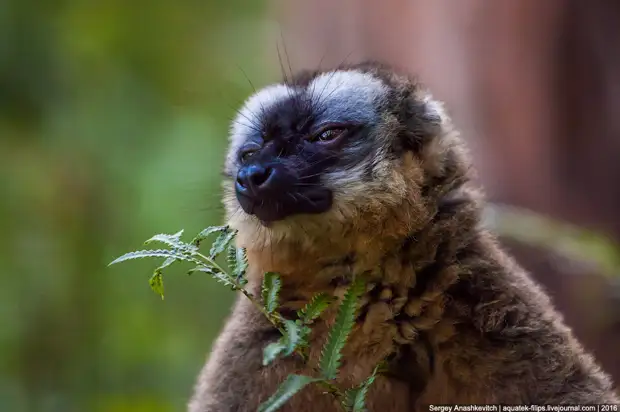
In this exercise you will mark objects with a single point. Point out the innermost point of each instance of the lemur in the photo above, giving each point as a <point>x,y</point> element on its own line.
<point>358,171</point>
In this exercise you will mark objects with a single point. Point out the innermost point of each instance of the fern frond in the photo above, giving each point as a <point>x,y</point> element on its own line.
<point>271,351</point>
<point>217,275</point>
<point>288,388</point>
<point>173,241</point>
<point>237,262</point>
<point>205,233</point>
<point>242,262</point>
<point>293,336</point>
<point>157,283</point>
<point>221,242</point>
<point>314,308</point>
<point>169,261</point>
<point>270,291</point>
<point>139,254</point>
<point>231,258</point>
<point>355,398</point>
<point>345,319</point>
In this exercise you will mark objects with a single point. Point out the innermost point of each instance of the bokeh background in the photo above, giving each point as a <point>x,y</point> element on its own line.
<point>113,124</point>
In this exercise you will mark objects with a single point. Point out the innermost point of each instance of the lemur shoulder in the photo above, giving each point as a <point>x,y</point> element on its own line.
<point>358,171</point>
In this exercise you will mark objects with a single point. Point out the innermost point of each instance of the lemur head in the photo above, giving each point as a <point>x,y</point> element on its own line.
<point>334,152</point>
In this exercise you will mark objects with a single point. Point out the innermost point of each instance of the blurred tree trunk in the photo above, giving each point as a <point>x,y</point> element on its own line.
<point>533,85</point>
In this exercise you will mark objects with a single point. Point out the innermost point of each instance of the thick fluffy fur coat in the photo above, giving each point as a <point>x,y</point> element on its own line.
<point>458,319</point>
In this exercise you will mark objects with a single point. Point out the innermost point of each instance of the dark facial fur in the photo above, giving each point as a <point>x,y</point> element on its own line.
<point>327,144</point>
<point>389,199</point>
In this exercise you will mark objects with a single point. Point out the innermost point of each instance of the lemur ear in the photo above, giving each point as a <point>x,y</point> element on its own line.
<point>424,118</point>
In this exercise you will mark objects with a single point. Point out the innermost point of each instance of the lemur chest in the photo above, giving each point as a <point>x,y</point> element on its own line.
<point>390,325</point>
<point>399,318</point>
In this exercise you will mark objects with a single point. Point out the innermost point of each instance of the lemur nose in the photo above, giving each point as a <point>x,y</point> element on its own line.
<point>254,178</point>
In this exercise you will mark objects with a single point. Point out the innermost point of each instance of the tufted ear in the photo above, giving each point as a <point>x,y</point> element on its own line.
<point>425,119</point>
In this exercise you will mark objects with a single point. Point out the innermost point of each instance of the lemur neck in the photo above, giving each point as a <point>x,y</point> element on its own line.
<point>390,257</point>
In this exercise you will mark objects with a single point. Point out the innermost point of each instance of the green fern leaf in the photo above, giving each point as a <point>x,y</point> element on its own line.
<point>173,241</point>
<point>150,253</point>
<point>157,283</point>
<point>242,262</point>
<point>314,308</point>
<point>271,351</point>
<point>231,258</point>
<point>293,336</point>
<point>345,319</point>
<point>237,261</point>
<point>288,388</point>
<point>304,332</point>
<point>205,233</point>
<point>169,261</point>
<point>355,398</point>
<point>221,243</point>
<point>217,275</point>
<point>270,291</point>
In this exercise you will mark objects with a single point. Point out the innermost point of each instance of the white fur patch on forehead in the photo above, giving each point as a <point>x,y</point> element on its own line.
<point>249,116</point>
<point>347,96</point>
<point>248,121</point>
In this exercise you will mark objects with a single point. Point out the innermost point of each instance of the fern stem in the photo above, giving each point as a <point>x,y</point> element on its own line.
<point>211,262</point>
<point>331,388</point>
<point>274,318</point>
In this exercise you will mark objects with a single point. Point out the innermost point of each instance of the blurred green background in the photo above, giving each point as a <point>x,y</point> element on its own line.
<point>113,121</point>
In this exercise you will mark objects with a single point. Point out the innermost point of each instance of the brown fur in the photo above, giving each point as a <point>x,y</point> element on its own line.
<point>458,319</point>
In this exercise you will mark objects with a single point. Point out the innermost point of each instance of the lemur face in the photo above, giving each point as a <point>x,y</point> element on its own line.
<point>324,145</point>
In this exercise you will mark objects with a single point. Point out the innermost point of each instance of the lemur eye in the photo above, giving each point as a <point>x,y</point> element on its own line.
<point>327,135</point>
<point>246,154</point>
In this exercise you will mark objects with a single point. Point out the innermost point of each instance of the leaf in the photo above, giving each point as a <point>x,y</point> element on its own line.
<point>157,283</point>
<point>291,385</point>
<point>293,336</point>
<point>242,265</point>
<point>314,308</point>
<point>237,261</point>
<point>270,291</point>
<point>173,241</point>
<point>205,233</point>
<point>150,253</point>
<point>345,319</point>
<point>231,258</point>
<point>355,398</point>
<point>221,242</point>
<point>167,263</point>
<point>217,275</point>
<point>271,352</point>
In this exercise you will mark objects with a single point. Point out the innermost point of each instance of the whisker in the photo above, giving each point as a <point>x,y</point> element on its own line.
<point>305,197</point>
<point>256,116</point>
<point>313,175</point>
<point>308,184</point>
<point>245,124</point>
<point>211,208</point>
<point>318,69</point>
<point>282,71</point>
<point>290,70</point>
<point>309,165</point>
<point>251,122</point>
<point>332,76</point>
<point>246,77</point>
<point>239,112</point>
<point>309,161</point>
